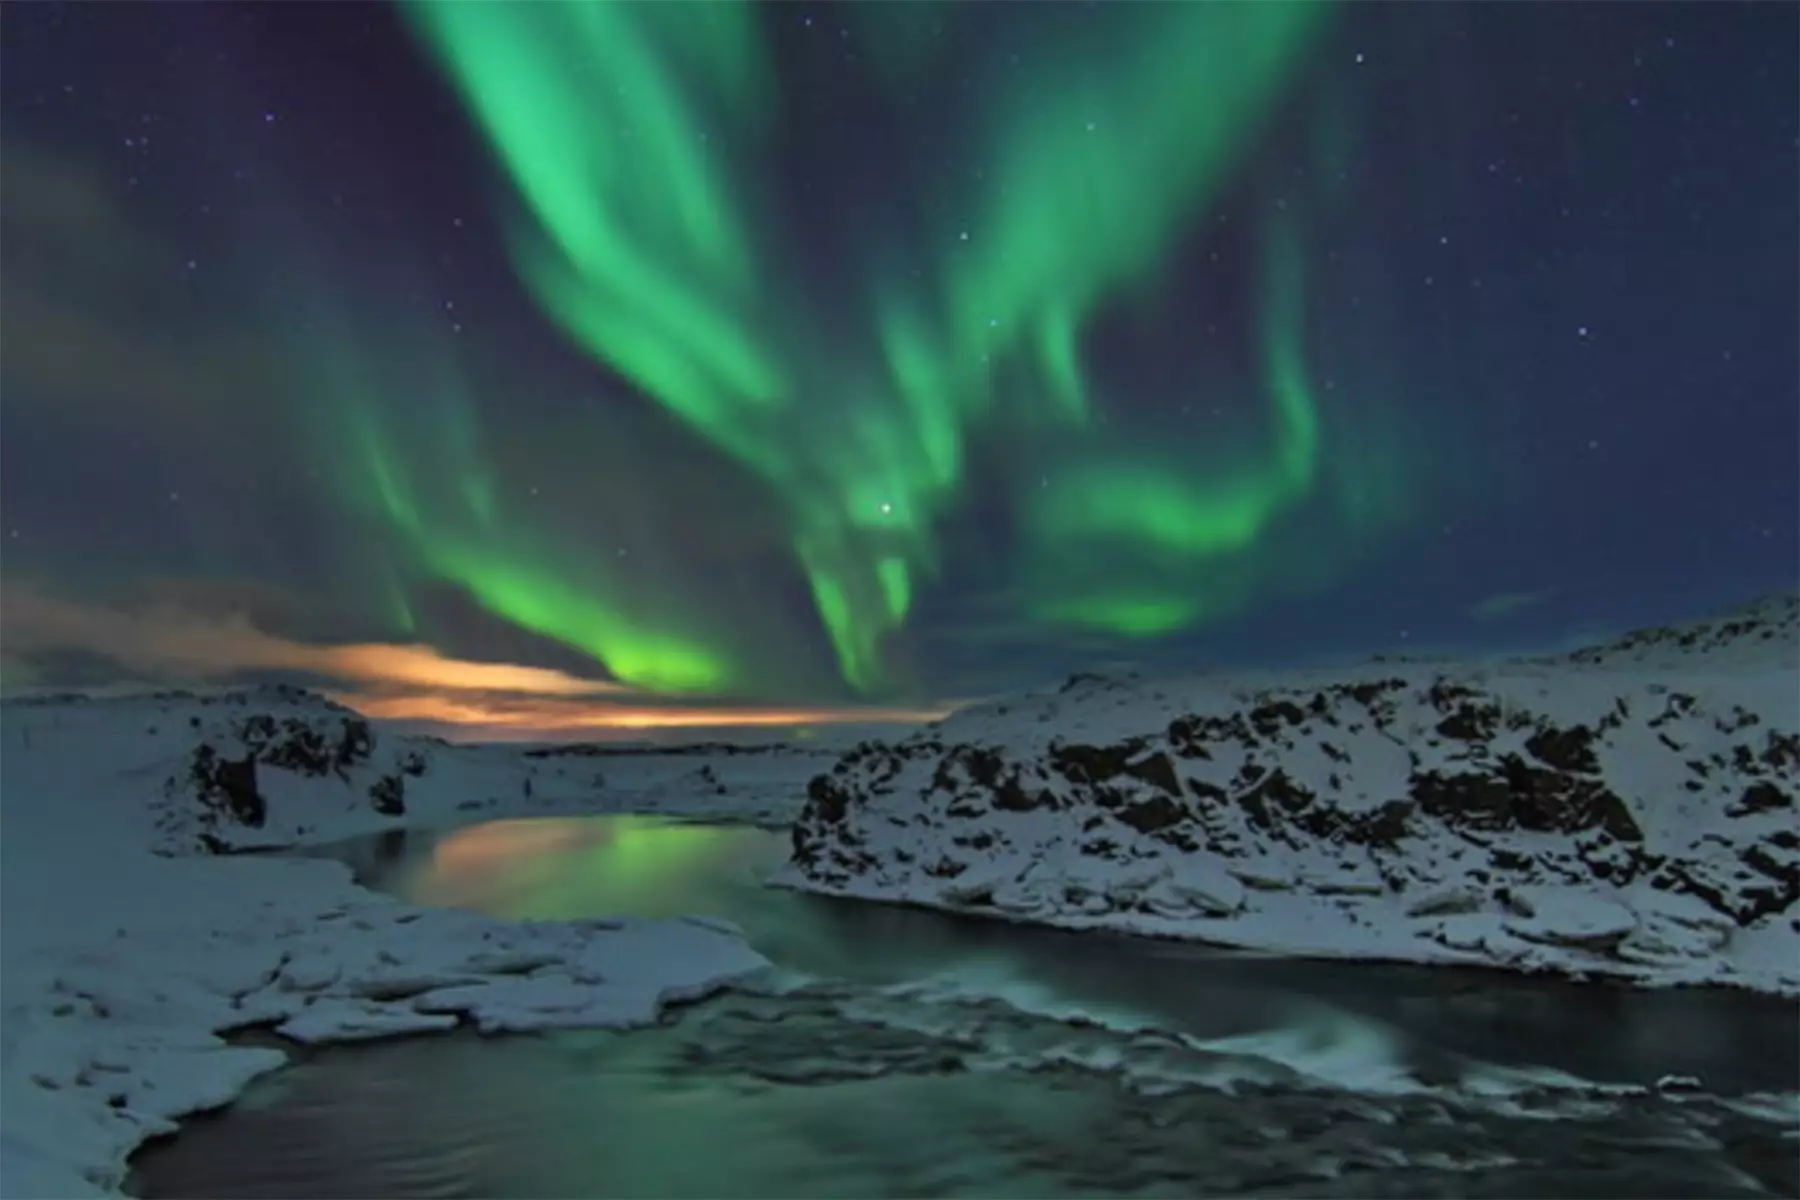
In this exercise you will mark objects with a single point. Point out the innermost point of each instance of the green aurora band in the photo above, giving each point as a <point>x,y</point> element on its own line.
<point>630,132</point>
<point>438,500</point>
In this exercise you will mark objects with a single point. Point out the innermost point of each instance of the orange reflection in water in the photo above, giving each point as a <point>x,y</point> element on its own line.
<point>498,841</point>
<point>564,867</point>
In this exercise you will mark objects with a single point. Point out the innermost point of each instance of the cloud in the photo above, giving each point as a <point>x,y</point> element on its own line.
<point>547,716</point>
<point>1506,605</point>
<point>166,641</point>
<point>100,325</point>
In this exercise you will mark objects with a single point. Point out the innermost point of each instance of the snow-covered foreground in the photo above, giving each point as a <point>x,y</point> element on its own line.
<point>1627,810</point>
<point>127,949</point>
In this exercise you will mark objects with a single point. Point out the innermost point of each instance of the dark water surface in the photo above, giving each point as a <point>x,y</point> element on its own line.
<point>900,1052</point>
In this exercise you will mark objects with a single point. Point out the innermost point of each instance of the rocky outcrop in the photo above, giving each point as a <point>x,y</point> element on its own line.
<point>220,800</point>
<point>1409,811</point>
<point>388,795</point>
<point>227,787</point>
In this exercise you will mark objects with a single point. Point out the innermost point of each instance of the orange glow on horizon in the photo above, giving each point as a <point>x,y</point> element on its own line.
<point>167,640</point>
<point>391,681</point>
<point>422,666</point>
<point>550,716</point>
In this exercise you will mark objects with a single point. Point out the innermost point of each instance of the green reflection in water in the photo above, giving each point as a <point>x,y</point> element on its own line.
<point>565,867</point>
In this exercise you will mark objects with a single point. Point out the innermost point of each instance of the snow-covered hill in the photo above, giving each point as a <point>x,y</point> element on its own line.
<point>1760,636</point>
<point>1627,810</point>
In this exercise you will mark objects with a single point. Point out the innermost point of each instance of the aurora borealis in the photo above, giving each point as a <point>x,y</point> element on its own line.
<point>793,361</point>
<point>606,117</point>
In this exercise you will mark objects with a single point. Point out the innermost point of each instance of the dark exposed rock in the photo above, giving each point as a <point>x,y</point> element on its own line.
<point>1783,870</point>
<point>1466,799</point>
<point>1570,749</point>
<point>802,839</point>
<point>1522,796</point>
<point>1744,904</point>
<point>1178,837</point>
<point>237,782</point>
<point>1188,736</point>
<point>1557,802</point>
<point>1268,719</point>
<point>1158,771</point>
<point>228,787</point>
<point>1761,796</point>
<point>296,747</point>
<point>1094,764</point>
<point>1207,793</point>
<point>1256,808</point>
<point>1781,752</point>
<point>388,794</point>
<point>1470,722</point>
<point>829,800</point>
<point>355,745</point>
<point>1152,814</point>
<point>1011,796</point>
<point>1388,824</point>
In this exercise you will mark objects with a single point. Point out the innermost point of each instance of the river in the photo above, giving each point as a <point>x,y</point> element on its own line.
<point>902,1052</point>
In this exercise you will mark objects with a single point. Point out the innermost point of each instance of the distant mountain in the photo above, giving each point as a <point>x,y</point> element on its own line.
<point>1626,810</point>
<point>1758,635</point>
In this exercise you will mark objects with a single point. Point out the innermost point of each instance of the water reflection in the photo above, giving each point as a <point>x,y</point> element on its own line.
<point>1353,1022</point>
<point>830,1092</point>
<point>550,868</point>
<point>905,1052</point>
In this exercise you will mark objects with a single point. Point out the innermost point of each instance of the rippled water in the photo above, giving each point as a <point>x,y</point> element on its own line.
<point>908,1053</point>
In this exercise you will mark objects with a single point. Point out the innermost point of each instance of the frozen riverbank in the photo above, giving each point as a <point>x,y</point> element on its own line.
<point>1627,811</point>
<point>127,952</point>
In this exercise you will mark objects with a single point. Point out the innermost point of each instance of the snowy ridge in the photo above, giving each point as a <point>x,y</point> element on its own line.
<point>128,948</point>
<point>1627,811</point>
<point>237,769</point>
<point>275,767</point>
<point>1759,635</point>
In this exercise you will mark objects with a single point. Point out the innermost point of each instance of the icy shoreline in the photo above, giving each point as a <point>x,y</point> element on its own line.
<point>1626,812</point>
<point>108,1042</point>
<point>125,959</point>
<point>1247,936</point>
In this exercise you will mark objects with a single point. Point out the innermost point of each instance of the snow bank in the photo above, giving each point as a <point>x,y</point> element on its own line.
<point>1627,810</point>
<point>126,954</point>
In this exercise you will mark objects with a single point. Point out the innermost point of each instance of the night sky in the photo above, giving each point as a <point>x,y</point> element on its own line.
<point>769,360</point>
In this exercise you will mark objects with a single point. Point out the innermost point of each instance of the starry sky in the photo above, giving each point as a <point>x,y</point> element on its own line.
<point>542,369</point>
